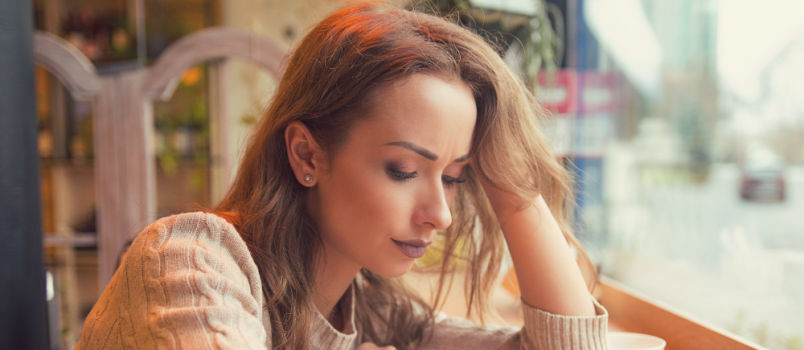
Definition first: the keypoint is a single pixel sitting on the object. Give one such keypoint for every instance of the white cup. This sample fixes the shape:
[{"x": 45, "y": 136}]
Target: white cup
[{"x": 634, "y": 341}]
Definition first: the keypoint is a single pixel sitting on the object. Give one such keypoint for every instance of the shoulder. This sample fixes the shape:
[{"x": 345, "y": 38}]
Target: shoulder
[
  {"x": 196, "y": 241},
  {"x": 188, "y": 281},
  {"x": 195, "y": 223},
  {"x": 196, "y": 230}
]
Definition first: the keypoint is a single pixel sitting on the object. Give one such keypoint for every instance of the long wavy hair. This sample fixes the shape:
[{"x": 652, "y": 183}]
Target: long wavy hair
[{"x": 325, "y": 86}]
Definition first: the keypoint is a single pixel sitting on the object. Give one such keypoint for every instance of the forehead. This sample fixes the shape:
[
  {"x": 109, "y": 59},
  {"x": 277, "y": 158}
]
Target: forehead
[{"x": 431, "y": 111}]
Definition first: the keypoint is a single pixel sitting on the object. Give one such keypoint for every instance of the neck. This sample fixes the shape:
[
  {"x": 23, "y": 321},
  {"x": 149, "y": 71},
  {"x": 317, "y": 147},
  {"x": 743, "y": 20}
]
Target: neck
[{"x": 333, "y": 276}]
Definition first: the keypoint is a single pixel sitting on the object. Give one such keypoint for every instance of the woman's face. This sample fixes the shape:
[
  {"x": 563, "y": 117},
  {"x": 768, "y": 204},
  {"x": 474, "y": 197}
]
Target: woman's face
[{"x": 388, "y": 189}]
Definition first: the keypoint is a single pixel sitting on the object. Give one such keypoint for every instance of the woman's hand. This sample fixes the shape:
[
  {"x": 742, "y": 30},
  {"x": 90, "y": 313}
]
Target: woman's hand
[
  {"x": 548, "y": 276},
  {"x": 372, "y": 346},
  {"x": 504, "y": 204}
]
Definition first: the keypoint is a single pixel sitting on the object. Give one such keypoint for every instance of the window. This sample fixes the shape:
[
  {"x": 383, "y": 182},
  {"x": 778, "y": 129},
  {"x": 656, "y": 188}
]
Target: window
[{"x": 684, "y": 124}]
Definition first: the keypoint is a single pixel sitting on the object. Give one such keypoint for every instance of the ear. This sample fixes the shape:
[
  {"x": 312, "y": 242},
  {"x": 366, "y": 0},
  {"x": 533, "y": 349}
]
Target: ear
[{"x": 304, "y": 154}]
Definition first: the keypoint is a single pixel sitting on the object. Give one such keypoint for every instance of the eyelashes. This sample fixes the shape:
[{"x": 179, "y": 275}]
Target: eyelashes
[
  {"x": 395, "y": 174},
  {"x": 450, "y": 181},
  {"x": 399, "y": 175}
]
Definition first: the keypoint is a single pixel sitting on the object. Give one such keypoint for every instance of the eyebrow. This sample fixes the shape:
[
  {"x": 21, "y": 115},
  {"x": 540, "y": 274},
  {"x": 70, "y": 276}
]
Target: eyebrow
[{"x": 423, "y": 152}]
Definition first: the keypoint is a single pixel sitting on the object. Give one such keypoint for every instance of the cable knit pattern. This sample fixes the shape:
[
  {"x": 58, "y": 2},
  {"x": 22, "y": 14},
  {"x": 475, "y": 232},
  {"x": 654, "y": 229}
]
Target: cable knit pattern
[{"x": 189, "y": 282}]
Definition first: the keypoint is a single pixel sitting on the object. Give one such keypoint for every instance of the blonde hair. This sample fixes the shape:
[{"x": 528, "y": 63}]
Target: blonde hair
[{"x": 338, "y": 64}]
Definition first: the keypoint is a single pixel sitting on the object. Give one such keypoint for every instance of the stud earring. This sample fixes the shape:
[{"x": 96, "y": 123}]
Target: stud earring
[{"x": 308, "y": 178}]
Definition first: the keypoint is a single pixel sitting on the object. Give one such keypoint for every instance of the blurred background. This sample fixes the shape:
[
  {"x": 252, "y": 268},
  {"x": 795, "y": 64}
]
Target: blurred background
[{"x": 682, "y": 122}]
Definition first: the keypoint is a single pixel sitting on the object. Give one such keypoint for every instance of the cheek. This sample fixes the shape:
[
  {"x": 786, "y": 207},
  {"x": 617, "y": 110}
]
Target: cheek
[{"x": 363, "y": 205}]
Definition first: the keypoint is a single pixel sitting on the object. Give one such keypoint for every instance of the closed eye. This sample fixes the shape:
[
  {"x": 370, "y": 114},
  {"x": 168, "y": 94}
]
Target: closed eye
[
  {"x": 451, "y": 181},
  {"x": 398, "y": 175},
  {"x": 402, "y": 176}
]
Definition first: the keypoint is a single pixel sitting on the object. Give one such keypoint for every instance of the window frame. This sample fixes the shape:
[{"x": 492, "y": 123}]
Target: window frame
[{"x": 632, "y": 311}]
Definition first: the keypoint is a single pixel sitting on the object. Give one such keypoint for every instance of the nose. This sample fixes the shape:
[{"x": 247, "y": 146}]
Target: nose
[{"x": 432, "y": 211}]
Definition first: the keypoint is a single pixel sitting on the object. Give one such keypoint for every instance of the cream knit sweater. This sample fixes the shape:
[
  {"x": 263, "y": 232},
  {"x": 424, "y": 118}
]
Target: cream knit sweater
[{"x": 189, "y": 282}]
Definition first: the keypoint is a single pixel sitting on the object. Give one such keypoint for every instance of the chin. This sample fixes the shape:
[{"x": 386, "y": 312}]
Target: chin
[{"x": 393, "y": 270}]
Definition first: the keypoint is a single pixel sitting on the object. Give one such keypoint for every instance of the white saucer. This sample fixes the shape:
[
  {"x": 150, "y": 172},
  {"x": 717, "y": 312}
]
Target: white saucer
[{"x": 634, "y": 341}]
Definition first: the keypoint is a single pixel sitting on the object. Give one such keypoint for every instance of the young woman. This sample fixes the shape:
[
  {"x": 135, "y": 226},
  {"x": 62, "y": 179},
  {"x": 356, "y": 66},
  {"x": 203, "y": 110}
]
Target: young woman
[{"x": 389, "y": 131}]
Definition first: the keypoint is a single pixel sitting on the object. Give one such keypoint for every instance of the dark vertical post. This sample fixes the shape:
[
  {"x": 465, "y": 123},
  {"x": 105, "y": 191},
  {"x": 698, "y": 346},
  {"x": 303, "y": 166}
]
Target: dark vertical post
[{"x": 23, "y": 311}]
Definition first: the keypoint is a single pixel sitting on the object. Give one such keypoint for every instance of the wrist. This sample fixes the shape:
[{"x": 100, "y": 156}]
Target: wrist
[{"x": 507, "y": 206}]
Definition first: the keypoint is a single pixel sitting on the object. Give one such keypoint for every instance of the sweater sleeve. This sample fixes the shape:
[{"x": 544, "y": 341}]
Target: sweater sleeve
[
  {"x": 542, "y": 330},
  {"x": 187, "y": 282}
]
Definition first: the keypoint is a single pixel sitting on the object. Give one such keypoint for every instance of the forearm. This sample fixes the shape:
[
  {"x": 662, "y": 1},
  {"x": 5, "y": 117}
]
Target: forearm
[{"x": 549, "y": 277}]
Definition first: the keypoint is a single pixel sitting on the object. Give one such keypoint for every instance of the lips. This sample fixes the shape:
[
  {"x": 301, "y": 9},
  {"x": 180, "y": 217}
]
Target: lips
[{"x": 414, "y": 249}]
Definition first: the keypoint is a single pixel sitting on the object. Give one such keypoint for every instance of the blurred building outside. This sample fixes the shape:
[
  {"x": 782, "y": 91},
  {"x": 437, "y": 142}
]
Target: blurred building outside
[{"x": 675, "y": 226}]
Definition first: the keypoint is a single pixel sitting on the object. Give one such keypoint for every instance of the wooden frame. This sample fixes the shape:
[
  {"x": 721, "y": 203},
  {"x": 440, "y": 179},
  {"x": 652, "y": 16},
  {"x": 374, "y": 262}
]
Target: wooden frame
[
  {"x": 122, "y": 106},
  {"x": 631, "y": 311}
]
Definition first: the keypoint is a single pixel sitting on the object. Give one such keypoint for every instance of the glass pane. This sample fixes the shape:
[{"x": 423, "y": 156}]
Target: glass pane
[
  {"x": 201, "y": 131},
  {"x": 169, "y": 20},
  {"x": 690, "y": 179},
  {"x": 182, "y": 145},
  {"x": 103, "y": 30},
  {"x": 68, "y": 207}
]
